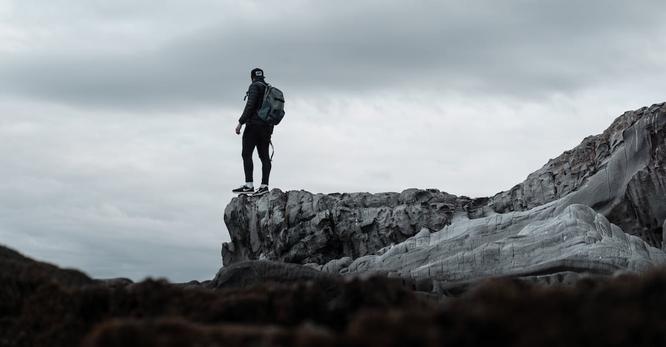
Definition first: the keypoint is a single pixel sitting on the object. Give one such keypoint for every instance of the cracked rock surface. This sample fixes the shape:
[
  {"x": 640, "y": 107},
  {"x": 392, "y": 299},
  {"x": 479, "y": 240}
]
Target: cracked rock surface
[
  {"x": 301, "y": 227},
  {"x": 598, "y": 208}
]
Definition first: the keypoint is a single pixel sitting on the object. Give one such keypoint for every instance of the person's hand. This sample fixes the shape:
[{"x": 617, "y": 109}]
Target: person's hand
[{"x": 238, "y": 128}]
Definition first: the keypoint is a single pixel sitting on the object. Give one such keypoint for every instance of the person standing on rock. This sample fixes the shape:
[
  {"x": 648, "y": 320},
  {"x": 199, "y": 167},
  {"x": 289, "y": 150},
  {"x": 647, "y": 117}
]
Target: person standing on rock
[{"x": 257, "y": 134}]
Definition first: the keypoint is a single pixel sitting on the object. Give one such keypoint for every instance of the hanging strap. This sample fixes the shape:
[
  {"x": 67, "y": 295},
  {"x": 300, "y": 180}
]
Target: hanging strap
[{"x": 272, "y": 148}]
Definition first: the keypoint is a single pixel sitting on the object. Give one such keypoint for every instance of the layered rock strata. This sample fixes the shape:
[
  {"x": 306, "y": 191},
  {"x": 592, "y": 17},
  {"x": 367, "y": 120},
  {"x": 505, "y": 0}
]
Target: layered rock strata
[
  {"x": 542, "y": 241},
  {"x": 621, "y": 172},
  {"x": 576, "y": 214}
]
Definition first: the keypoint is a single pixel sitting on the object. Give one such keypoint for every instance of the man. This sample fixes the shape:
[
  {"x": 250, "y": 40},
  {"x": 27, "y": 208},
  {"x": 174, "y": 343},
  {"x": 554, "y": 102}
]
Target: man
[{"x": 257, "y": 134}]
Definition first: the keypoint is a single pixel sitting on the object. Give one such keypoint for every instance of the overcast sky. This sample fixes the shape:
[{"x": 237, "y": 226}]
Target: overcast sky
[{"x": 116, "y": 117}]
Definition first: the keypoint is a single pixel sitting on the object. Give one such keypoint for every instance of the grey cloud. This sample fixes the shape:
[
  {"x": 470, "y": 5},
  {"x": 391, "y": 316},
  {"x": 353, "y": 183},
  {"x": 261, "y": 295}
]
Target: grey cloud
[
  {"x": 520, "y": 48},
  {"x": 113, "y": 196}
]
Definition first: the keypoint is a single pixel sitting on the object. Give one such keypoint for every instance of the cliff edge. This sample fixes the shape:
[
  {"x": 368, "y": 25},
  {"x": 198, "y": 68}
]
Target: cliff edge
[{"x": 598, "y": 208}]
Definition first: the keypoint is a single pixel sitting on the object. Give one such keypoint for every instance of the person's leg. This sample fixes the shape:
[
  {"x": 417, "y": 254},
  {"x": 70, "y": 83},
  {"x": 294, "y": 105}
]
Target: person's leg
[
  {"x": 263, "y": 141},
  {"x": 249, "y": 142}
]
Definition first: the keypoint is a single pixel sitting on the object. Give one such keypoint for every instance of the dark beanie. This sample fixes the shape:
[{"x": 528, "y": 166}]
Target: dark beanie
[{"x": 257, "y": 73}]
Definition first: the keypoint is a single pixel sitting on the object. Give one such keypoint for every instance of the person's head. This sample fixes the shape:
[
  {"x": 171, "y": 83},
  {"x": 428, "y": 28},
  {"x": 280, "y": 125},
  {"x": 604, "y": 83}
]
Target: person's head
[{"x": 256, "y": 73}]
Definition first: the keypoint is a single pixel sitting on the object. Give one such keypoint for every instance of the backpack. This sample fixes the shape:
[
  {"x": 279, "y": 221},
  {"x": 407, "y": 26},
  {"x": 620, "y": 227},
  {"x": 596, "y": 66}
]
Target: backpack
[{"x": 272, "y": 108}]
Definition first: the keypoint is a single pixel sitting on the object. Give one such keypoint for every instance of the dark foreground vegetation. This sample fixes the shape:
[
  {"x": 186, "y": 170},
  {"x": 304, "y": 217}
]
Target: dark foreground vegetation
[{"x": 41, "y": 305}]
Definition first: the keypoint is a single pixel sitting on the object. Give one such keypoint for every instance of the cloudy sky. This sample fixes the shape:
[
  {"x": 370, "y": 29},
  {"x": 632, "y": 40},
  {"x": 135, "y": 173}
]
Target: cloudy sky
[{"x": 116, "y": 117}]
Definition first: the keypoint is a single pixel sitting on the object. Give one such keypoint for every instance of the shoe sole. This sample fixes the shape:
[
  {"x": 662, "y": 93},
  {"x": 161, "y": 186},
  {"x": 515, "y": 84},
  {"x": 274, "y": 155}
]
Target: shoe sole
[{"x": 259, "y": 194}]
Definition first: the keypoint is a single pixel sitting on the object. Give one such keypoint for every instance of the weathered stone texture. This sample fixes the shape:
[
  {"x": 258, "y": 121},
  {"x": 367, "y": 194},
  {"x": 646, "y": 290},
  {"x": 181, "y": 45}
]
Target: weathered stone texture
[
  {"x": 627, "y": 161},
  {"x": 575, "y": 214},
  {"x": 527, "y": 243},
  {"x": 300, "y": 227}
]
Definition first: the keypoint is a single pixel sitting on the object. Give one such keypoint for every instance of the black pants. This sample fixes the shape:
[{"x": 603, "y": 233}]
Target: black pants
[{"x": 257, "y": 136}]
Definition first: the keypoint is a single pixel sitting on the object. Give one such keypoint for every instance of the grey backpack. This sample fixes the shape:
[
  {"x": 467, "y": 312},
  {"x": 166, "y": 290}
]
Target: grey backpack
[{"x": 272, "y": 108}]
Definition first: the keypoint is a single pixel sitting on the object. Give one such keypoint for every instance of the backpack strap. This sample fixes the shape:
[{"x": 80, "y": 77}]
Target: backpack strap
[
  {"x": 272, "y": 148},
  {"x": 266, "y": 88},
  {"x": 266, "y": 85}
]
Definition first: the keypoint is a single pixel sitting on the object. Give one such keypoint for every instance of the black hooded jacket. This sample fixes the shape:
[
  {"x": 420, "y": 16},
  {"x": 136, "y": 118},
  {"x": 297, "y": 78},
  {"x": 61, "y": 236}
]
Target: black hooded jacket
[{"x": 255, "y": 97}]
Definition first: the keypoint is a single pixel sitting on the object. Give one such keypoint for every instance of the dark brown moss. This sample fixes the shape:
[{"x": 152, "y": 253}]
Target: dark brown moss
[{"x": 37, "y": 310}]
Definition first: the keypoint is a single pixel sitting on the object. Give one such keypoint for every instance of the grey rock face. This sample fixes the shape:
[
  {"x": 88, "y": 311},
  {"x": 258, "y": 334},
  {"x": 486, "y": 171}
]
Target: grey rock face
[
  {"x": 557, "y": 221},
  {"x": 541, "y": 241},
  {"x": 300, "y": 227},
  {"x": 623, "y": 169}
]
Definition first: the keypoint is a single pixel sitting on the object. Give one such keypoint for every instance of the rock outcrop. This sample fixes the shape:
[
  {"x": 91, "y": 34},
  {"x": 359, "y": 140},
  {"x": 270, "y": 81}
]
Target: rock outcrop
[
  {"x": 598, "y": 208},
  {"x": 621, "y": 173},
  {"x": 300, "y": 227},
  {"x": 538, "y": 242}
]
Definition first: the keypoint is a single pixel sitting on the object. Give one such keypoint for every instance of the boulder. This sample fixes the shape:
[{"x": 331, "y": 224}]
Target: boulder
[{"x": 621, "y": 173}]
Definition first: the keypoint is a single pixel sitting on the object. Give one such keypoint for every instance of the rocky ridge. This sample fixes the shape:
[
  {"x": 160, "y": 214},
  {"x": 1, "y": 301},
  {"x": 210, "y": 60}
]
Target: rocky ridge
[
  {"x": 629, "y": 156},
  {"x": 600, "y": 207}
]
